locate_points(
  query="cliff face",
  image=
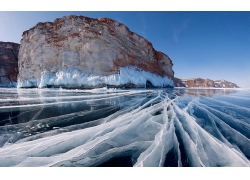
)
(8, 63)
(84, 45)
(203, 83)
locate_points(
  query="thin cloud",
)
(178, 30)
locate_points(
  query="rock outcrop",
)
(76, 47)
(8, 63)
(203, 83)
(224, 84)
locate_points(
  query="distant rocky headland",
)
(203, 83)
(81, 52)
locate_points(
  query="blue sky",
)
(213, 45)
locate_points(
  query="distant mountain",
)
(8, 63)
(203, 83)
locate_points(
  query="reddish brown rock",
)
(92, 46)
(178, 83)
(203, 83)
(8, 63)
(225, 84)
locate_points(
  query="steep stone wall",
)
(92, 46)
(8, 63)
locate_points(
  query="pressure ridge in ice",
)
(131, 127)
(74, 77)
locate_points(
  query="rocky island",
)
(203, 83)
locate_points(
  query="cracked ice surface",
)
(110, 127)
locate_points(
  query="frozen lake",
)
(138, 127)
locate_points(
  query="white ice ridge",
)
(74, 77)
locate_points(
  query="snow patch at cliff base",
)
(74, 77)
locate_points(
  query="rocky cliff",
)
(77, 51)
(224, 84)
(203, 83)
(8, 63)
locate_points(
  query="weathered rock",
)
(224, 84)
(203, 83)
(91, 46)
(8, 63)
(178, 82)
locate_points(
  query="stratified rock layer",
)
(92, 46)
(203, 83)
(8, 63)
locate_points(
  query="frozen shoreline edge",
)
(129, 77)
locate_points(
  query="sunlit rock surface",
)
(109, 127)
(98, 47)
(8, 63)
(203, 83)
(224, 84)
